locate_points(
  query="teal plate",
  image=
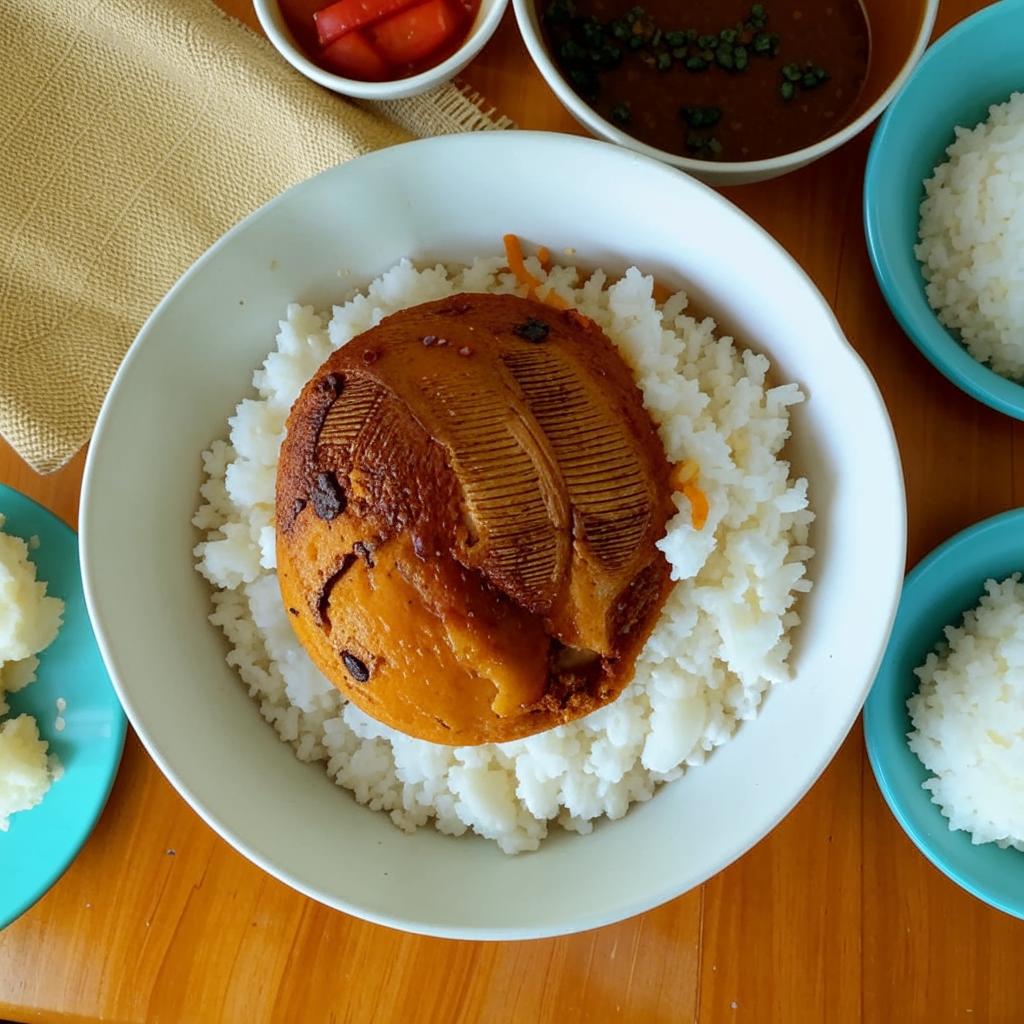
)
(947, 583)
(42, 842)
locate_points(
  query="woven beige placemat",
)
(133, 133)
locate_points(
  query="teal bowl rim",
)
(66, 858)
(873, 729)
(932, 339)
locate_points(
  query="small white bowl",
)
(273, 23)
(741, 172)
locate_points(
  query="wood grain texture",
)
(833, 917)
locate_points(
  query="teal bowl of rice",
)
(965, 714)
(974, 225)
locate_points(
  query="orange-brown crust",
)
(468, 497)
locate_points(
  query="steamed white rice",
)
(722, 640)
(968, 718)
(29, 620)
(972, 238)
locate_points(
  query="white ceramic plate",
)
(453, 198)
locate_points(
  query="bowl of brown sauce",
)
(730, 91)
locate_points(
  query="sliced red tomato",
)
(414, 33)
(348, 15)
(353, 56)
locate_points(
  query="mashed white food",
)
(722, 640)
(25, 768)
(968, 718)
(29, 621)
(972, 238)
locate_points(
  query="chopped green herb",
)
(619, 29)
(696, 64)
(813, 77)
(680, 53)
(635, 42)
(766, 44)
(757, 11)
(571, 52)
(727, 35)
(691, 35)
(706, 42)
(701, 117)
(739, 57)
(664, 61)
(621, 114)
(724, 58)
(702, 145)
(592, 32)
(656, 38)
(807, 77)
(559, 12)
(675, 38)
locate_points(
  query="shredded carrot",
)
(698, 505)
(684, 478)
(514, 255)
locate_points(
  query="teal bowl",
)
(42, 842)
(976, 64)
(947, 583)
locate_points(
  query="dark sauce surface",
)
(298, 16)
(714, 79)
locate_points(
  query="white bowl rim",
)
(597, 918)
(396, 88)
(589, 117)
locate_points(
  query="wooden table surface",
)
(833, 917)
